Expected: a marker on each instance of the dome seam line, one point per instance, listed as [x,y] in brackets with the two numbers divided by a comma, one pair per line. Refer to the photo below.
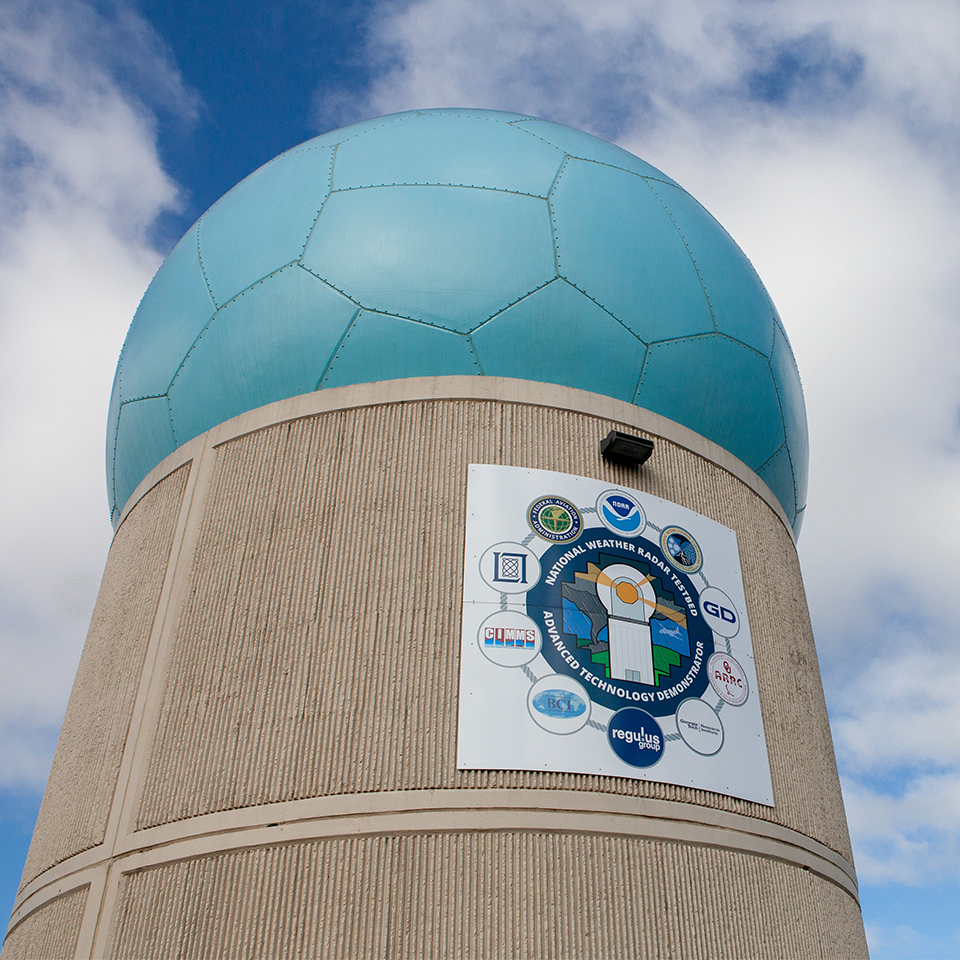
[607,310]
[772,457]
[783,424]
[603,163]
[331,285]
[718,334]
[256,283]
[643,367]
[693,261]
[509,306]
[186,356]
[474,354]
[203,269]
[323,203]
[553,219]
[336,349]
[452,186]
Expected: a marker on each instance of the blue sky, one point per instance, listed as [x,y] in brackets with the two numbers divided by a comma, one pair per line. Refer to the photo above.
[824,136]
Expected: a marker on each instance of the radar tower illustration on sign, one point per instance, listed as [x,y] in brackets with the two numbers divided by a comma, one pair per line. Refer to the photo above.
[389,357]
[629,600]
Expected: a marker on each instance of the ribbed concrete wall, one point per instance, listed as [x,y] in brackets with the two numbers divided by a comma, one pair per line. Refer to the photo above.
[314,535]
[49,933]
[83,778]
[282,599]
[490,895]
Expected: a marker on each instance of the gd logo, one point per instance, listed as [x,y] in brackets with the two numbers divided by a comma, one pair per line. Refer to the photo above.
[715,610]
[720,612]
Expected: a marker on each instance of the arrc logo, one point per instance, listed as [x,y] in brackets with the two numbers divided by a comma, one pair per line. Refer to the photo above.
[558,703]
[728,679]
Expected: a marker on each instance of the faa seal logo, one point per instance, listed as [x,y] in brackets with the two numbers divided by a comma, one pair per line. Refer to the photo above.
[555,519]
[682,549]
[621,513]
[509,567]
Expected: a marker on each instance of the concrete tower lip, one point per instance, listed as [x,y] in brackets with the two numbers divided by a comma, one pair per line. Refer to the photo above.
[501,389]
[434,811]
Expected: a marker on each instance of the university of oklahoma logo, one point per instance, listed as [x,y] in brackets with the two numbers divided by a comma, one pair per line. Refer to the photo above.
[617,616]
[555,519]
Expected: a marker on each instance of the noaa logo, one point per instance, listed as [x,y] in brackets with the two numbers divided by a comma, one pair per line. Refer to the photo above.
[558,703]
[555,519]
[621,513]
[682,549]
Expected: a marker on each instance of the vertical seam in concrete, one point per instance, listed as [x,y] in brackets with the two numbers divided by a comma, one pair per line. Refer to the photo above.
[89,922]
[97,916]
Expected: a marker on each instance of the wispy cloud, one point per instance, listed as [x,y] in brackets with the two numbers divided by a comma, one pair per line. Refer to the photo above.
[826,138]
[80,186]
[897,730]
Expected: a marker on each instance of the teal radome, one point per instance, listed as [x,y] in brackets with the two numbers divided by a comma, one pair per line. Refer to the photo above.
[442,242]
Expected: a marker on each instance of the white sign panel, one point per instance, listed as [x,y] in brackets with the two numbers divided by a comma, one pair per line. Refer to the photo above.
[605,632]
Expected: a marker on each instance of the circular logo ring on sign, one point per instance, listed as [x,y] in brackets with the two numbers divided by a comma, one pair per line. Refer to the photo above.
[622,621]
[635,737]
[700,727]
[720,612]
[559,704]
[728,679]
[509,567]
[509,638]
[621,513]
[555,519]
[682,550]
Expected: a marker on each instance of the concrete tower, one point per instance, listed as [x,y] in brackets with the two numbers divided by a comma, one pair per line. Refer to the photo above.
[388,659]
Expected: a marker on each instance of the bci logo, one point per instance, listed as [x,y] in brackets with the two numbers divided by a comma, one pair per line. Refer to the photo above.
[559,703]
[715,610]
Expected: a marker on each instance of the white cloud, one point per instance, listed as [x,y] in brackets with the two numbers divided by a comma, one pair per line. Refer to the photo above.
[901,940]
[897,731]
[910,837]
[826,138]
[884,718]
[80,185]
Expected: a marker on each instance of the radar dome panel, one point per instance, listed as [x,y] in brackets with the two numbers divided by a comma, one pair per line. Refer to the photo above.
[445,242]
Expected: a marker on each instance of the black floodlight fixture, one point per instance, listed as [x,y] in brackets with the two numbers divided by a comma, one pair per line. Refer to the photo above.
[623,448]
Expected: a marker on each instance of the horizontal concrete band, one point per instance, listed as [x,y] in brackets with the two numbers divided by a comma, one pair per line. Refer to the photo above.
[441,811]
[500,389]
